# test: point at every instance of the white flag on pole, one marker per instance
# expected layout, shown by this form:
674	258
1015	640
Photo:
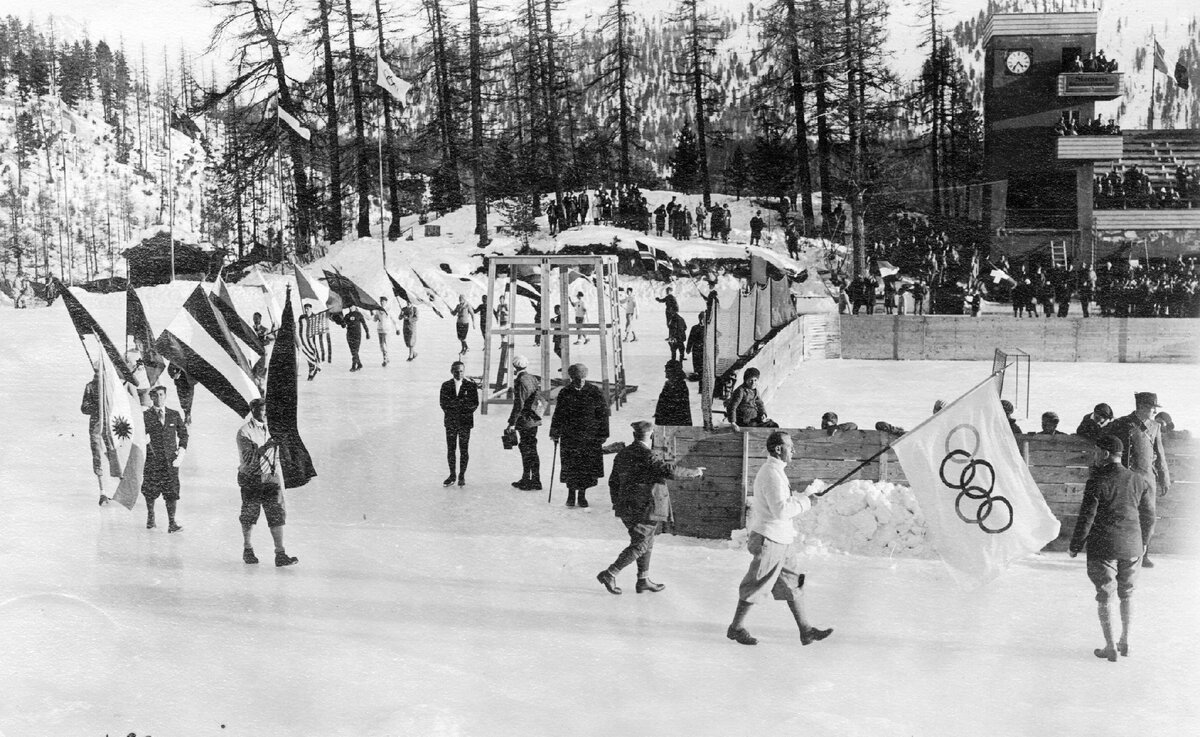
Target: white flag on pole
981	504
124	431
387	79
291	120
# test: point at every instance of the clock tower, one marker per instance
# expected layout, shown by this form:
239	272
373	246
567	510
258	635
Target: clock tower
1033	195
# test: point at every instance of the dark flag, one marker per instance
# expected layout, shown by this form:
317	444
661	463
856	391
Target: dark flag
398	290
646	254
199	342
348	293
85	324
138	328
223	302
1181	75
282	399
431	293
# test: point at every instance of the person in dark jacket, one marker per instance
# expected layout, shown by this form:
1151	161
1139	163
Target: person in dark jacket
695	346
525	419
1145	454
1008	413
90	406
745	408
669	303
356	326
1116	518
459	398
674	405
641	500
166	442
185	387
1050	424
580	427
1092	425
676	335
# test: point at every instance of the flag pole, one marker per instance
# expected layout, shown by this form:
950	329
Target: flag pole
379	139
889	446
1153	80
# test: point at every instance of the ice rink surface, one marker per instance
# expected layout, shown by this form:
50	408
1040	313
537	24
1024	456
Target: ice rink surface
423	610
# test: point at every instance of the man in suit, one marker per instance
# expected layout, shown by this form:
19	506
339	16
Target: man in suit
459	400
1141	439
1092	425
166	442
1115	518
642	502
525	418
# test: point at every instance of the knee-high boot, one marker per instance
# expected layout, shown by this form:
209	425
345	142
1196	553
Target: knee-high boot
1108	651
1126	615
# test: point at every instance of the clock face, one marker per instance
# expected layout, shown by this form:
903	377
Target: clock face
1017	62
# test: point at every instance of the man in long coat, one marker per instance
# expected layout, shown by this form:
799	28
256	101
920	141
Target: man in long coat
1141	439
580	425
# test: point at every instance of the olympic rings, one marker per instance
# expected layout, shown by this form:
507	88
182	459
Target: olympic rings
973	484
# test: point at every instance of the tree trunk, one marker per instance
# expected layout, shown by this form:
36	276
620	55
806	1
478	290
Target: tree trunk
701	111
362	178
481	205
803	172
389	142
624	115
333	208
853	124
552	140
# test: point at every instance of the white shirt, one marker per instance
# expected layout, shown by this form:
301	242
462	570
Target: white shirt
773	506
457	386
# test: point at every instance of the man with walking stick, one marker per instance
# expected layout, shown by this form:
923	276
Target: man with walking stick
580	422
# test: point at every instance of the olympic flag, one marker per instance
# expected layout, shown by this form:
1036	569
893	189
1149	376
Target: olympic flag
980	502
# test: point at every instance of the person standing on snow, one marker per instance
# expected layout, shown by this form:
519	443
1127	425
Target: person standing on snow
464	319
630	306
580	426
641	500
774	568
166	442
525	418
459	398
90	406
384	326
1141	439
408	318
580	308
756	228
1115	519
260	484
356	325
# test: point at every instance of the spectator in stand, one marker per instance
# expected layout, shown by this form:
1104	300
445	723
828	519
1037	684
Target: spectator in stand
745	408
756	228
674	405
1049	425
676	335
1165	422
1008	414
1092	425
831	426
792	239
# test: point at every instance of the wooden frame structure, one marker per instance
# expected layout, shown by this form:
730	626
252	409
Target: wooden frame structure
534	275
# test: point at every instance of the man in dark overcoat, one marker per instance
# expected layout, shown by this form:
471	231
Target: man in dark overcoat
166	441
459	399
642	502
1145	453
580	426
695	346
1115	518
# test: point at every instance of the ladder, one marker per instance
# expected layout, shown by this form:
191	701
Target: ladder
1058	254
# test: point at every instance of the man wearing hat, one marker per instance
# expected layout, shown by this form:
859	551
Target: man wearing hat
1050	424
1092	425
260	484
1115	518
525	419
641	500
166	442
580	427
1008	413
1141	438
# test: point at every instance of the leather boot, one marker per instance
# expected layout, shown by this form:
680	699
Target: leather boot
570	497
582	499
736	632
1126	614
1108	652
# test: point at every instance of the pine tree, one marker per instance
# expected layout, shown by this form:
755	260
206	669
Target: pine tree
685	169
695	71
737	172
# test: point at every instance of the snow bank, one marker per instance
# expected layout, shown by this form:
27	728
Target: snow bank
872	518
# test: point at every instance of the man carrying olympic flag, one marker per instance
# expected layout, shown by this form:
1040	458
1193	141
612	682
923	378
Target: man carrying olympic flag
981	504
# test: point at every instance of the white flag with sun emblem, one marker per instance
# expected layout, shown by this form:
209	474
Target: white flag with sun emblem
979	499
125	432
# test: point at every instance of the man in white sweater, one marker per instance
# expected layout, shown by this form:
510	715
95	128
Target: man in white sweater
773	569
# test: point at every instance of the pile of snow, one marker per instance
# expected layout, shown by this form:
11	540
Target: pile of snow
872	518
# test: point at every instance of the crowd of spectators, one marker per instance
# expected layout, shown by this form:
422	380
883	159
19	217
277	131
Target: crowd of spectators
1068	126
1132	188
1168	289
1093	63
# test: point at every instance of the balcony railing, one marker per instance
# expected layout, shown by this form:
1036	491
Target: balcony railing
1152	219
1094	85
1089	148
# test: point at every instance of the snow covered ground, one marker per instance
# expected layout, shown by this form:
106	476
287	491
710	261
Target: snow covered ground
422	610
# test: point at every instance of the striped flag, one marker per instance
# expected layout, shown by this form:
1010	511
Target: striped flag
137	327
124	431
313	337
282	399
85	324
979	499
223	302
646	254
199	342
1160	58
292	122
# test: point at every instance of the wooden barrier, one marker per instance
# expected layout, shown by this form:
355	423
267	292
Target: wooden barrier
808	337
715	505
956	338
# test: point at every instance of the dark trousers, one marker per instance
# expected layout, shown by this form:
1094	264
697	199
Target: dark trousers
531	464
462	438
355	363
641	544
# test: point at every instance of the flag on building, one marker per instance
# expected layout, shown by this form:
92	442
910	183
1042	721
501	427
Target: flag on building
980	502
1160	58
1181	75
223	302
137	327
86	325
292	122
199	342
282	399
386	78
